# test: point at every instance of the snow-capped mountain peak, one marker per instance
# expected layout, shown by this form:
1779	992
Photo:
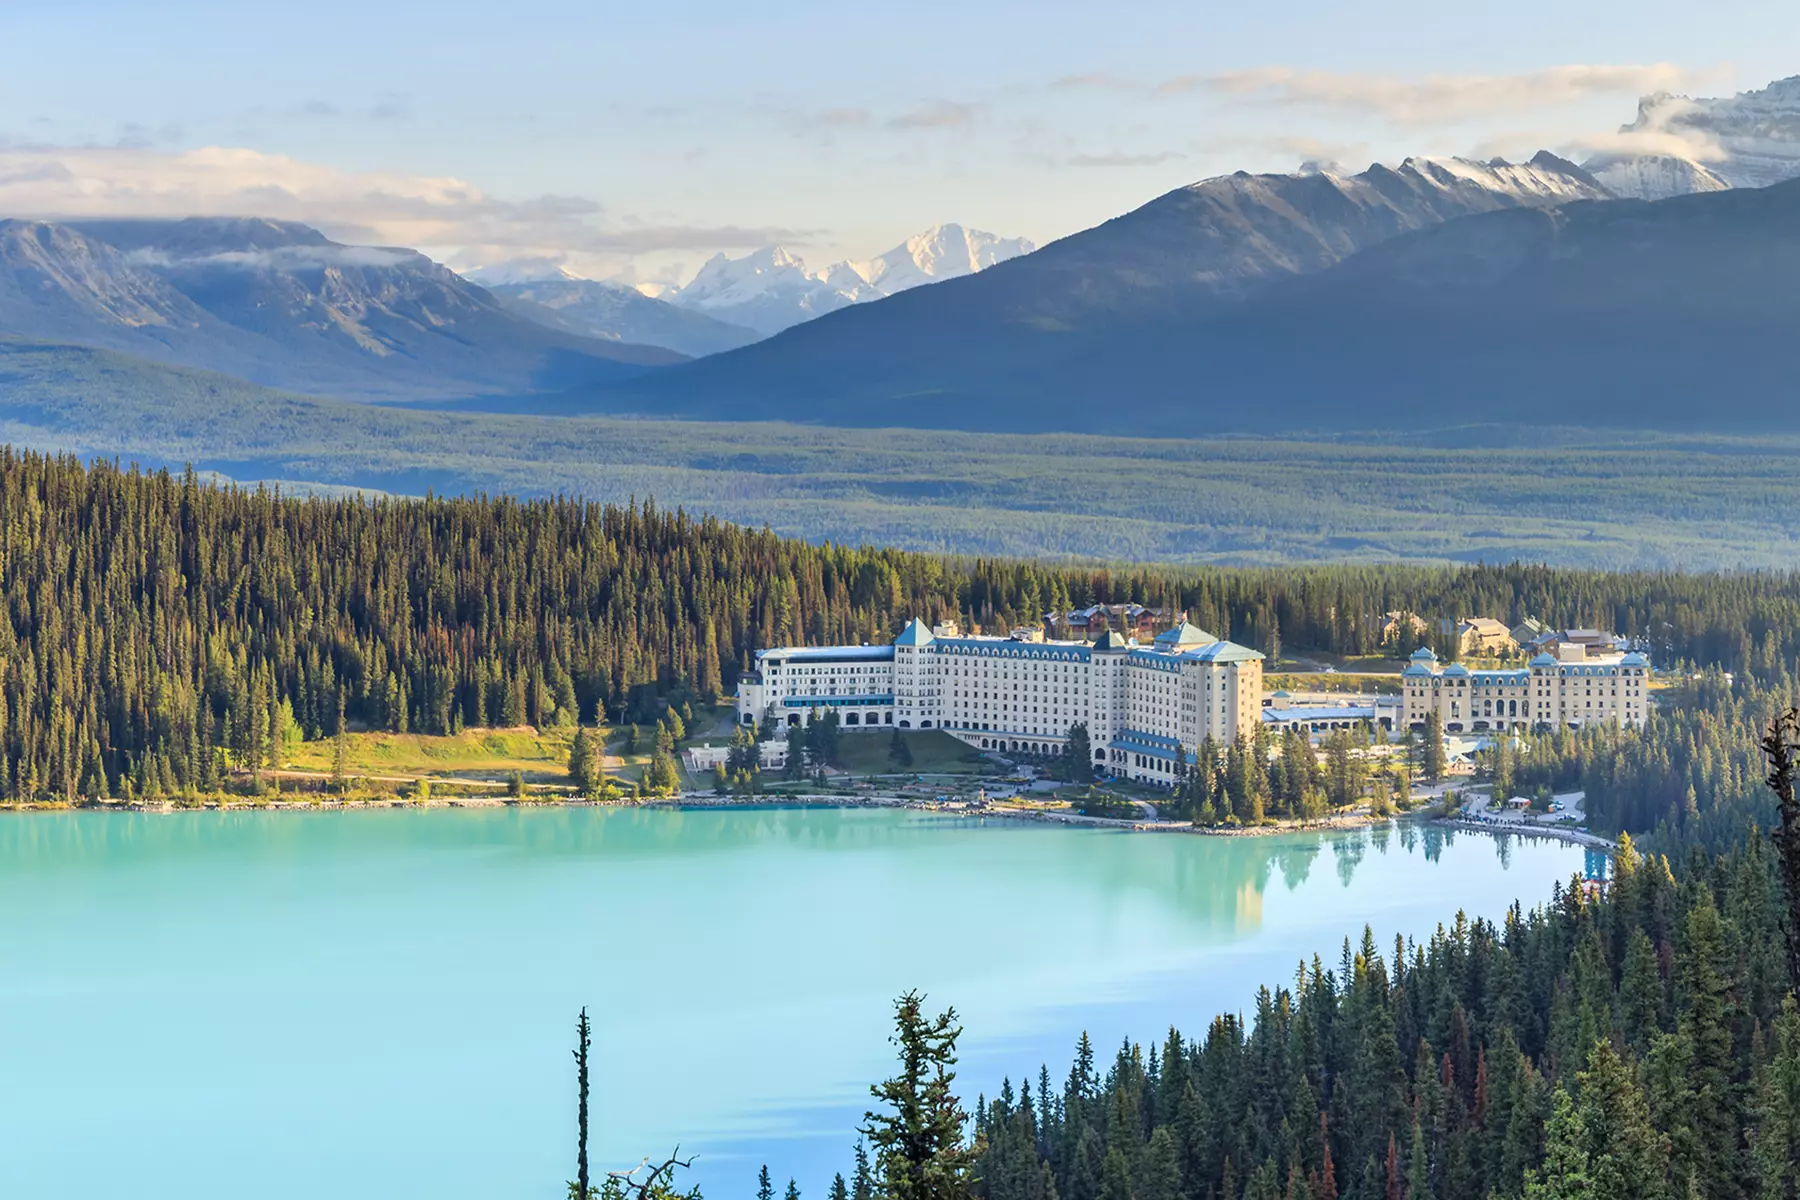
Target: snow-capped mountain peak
1545	178
518	270
1653	176
1681	144
941	252
771	289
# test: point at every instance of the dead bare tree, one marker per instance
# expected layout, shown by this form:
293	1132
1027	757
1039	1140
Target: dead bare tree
1781	746
655	1182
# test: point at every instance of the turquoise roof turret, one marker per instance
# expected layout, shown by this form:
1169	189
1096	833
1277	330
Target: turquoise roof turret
1545	659
916	633
1182	635
1423	655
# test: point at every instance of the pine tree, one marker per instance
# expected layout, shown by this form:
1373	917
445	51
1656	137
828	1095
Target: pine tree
581	762
900	755
1434	763
1565	1171
1078	756
918	1137
579	1187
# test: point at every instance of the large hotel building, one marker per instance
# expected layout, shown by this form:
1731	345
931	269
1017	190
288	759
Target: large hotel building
1144	706
1575	685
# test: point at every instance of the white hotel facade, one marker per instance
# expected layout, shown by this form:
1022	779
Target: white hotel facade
1145	706
1575	686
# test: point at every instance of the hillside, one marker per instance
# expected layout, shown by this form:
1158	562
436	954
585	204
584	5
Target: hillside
1666	315
279	304
990	350
615	312
1493	494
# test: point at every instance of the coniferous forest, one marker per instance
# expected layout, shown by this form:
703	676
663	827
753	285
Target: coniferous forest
160	631
1639	1042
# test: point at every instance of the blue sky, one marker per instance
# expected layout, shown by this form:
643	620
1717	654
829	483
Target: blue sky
644	137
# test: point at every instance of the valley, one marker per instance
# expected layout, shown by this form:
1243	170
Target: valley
1494	493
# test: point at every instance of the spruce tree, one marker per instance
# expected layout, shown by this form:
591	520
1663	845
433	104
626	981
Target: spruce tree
918	1133
1435	763
579	1187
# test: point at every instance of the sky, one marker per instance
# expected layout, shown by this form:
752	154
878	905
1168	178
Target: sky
633	141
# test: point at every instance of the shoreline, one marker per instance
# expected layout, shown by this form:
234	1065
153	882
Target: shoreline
706	801
1578	837
709	801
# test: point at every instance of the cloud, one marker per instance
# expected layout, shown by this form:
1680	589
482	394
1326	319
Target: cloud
1117	159
936	114
1430	100
844	118
1098	80
280	256
444	216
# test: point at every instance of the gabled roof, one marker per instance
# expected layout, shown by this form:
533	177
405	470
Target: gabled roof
916	633
1423	654
1112	641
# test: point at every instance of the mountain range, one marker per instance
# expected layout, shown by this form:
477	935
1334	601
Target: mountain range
995	349
616	312
773	289
1438	292
280	304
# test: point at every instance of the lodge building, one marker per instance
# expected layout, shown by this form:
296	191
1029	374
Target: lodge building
1577	685
1145	707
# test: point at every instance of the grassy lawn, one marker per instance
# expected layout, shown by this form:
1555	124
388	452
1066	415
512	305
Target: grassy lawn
934	752
542	757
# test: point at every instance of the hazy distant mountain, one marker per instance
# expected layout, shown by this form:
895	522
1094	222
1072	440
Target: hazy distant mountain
619	313
1751	139
987	350
280	304
772	289
941	252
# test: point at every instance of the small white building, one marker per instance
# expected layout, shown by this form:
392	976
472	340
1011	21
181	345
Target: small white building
702	759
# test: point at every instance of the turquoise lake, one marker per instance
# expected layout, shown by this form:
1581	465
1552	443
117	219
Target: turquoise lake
381	1004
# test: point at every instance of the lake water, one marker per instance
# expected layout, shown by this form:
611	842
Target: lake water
381	1004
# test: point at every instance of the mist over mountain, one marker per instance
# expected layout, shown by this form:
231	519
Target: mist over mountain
615	312
773	289
280	304
992	350
1751	139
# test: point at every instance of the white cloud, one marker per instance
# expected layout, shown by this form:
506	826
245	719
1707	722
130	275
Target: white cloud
445	216
1428	100
936	114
